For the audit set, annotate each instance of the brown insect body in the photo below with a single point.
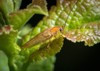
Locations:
(43, 36)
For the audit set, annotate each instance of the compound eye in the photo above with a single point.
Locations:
(60, 29)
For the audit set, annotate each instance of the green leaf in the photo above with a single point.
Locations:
(3, 62)
(89, 33)
(6, 6)
(20, 17)
(54, 18)
(44, 49)
(84, 13)
(47, 49)
(40, 5)
(40, 51)
(8, 44)
(2, 21)
(72, 14)
(16, 4)
(43, 65)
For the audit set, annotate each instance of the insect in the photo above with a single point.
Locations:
(43, 36)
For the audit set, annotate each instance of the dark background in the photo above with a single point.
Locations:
(73, 56)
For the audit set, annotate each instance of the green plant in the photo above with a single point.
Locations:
(79, 19)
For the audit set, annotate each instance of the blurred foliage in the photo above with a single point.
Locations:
(3, 62)
(43, 65)
(80, 21)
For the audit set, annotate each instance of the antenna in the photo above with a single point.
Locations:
(69, 14)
